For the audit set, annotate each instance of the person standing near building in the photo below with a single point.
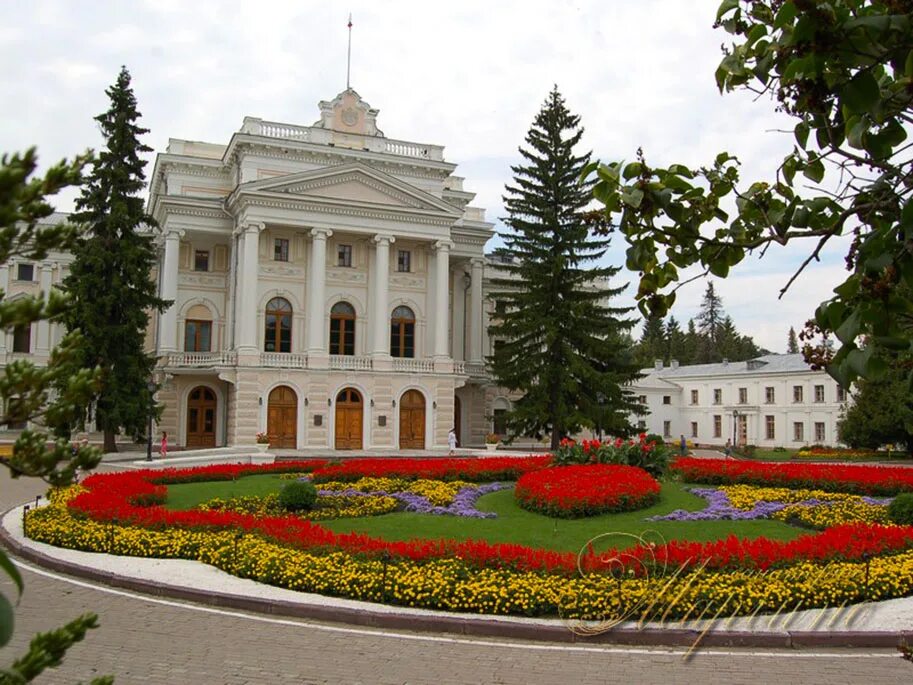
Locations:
(452, 441)
(684, 446)
(163, 449)
(728, 449)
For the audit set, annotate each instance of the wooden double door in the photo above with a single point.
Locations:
(350, 408)
(201, 417)
(412, 421)
(282, 418)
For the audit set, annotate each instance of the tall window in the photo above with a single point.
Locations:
(799, 431)
(770, 427)
(197, 336)
(694, 397)
(819, 432)
(642, 399)
(718, 396)
(278, 326)
(743, 395)
(797, 393)
(344, 255)
(717, 426)
(404, 261)
(841, 394)
(694, 429)
(819, 393)
(769, 396)
(499, 422)
(342, 329)
(402, 332)
(667, 429)
(667, 399)
(201, 260)
(25, 272)
(22, 338)
(280, 250)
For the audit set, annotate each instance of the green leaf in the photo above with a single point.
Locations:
(632, 170)
(6, 621)
(856, 135)
(861, 93)
(587, 170)
(726, 6)
(785, 15)
(7, 565)
(632, 197)
(757, 32)
(814, 170)
(849, 329)
(800, 217)
(801, 133)
(906, 215)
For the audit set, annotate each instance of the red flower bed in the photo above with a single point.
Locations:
(857, 479)
(121, 497)
(475, 470)
(586, 490)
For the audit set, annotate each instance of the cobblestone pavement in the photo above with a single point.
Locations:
(150, 640)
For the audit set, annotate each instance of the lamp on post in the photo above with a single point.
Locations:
(150, 386)
(735, 427)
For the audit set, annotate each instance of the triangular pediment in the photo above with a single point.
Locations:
(354, 184)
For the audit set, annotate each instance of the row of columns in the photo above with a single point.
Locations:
(247, 293)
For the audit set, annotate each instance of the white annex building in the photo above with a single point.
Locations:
(327, 285)
(772, 401)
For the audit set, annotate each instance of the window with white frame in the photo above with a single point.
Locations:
(769, 395)
(717, 426)
(799, 431)
(820, 434)
(797, 394)
(743, 395)
(694, 429)
(819, 393)
(694, 396)
(770, 430)
(717, 396)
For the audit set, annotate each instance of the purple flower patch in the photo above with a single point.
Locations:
(463, 502)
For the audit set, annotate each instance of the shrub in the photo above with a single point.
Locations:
(900, 510)
(648, 452)
(299, 495)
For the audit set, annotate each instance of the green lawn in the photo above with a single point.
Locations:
(513, 525)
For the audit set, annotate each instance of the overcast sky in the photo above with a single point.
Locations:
(469, 75)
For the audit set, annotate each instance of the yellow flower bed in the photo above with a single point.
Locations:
(746, 496)
(839, 508)
(438, 492)
(453, 585)
(328, 506)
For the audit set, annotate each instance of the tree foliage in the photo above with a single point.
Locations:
(792, 342)
(881, 411)
(844, 71)
(109, 281)
(46, 398)
(558, 341)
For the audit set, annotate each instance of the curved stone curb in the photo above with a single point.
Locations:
(460, 624)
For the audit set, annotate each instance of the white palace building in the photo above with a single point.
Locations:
(329, 288)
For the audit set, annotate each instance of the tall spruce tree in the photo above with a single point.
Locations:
(675, 342)
(109, 282)
(652, 344)
(562, 346)
(711, 316)
(792, 343)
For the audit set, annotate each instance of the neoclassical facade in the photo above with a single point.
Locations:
(773, 401)
(328, 286)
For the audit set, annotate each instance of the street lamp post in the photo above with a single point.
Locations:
(735, 427)
(150, 386)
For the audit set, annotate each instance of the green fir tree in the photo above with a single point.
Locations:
(792, 342)
(564, 350)
(109, 282)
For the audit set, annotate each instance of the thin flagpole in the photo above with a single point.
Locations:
(349, 59)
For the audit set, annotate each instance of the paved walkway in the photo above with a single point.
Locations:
(146, 639)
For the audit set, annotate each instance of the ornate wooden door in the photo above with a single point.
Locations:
(412, 421)
(349, 413)
(201, 417)
(743, 430)
(282, 418)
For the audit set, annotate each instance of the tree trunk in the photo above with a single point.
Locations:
(110, 444)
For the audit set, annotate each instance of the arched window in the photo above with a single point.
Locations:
(278, 326)
(402, 332)
(198, 329)
(342, 328)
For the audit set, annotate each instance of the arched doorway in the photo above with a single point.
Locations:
(458, 419)
(412, 421)
(349, 415)
(201, 417)
(282, 418)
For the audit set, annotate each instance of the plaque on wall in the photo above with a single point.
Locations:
(381, 421)
(318, 419)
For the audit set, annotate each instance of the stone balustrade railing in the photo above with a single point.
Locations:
(342, 362)
(413, 365)
(201, 359)
(284, 360)
(322, 136)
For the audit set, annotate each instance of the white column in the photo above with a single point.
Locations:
(458, 320)
(43, 329)
(441, 281)
(247, 285)
(168, 330)
(381, 286)
(317, 339)
(4, 287)
(475, 311)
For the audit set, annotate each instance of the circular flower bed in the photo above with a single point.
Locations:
(588, 490)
